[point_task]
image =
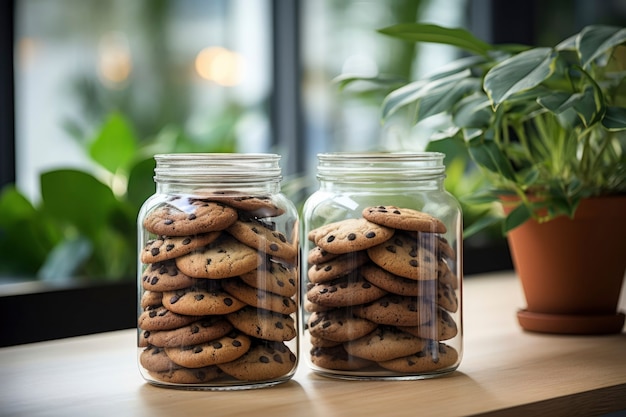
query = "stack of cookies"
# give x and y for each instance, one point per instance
(219, 284)
(381, 294)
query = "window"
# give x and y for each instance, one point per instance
(212, 75)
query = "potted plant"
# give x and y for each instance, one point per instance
(547, 126)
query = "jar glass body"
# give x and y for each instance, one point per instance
(382, 268)
(218, 271)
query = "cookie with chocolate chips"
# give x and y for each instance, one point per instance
(180, 217)
(259, 206)
(433, 357)
(265, 238)
(161, 318)
(273, 277)
(259, 298)
(337, 358)
(264, 360)
(224, 349)
(442, 328)
(339, 325)
(337, 267)
(263, 324)
(189, 376)
(151, 299)
(164, 276)
(201, 300)
(154, 358)
(203, 330)
(383, 344)
(404, 219)
(397, 310)
(351, 289)
(169, 247)
(404, 255)
(351, 235)
(226, 257)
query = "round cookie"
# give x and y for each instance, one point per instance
(189, 376)
(311, 307)
(203, 330)
(447, 298)
(338, 325)
(383, 344)
(318, 255)
(259, 206)
(169, 247)
(224, 258)
(443, 328)
(266, 360)
(446, 276)
(433, 357)
(445, 249)
(320, 342)
(258, 298)
(404, 219)
(224, 349)
(199, 301)
(161, 318)
(337, 358)
(273, 277)
(396, 310)
(180, 217)
(164, 276)
(339, 266)
(402, 256)
(388, 281)
(155, 359)
(151, 299)
(259, 236)
(346, 291)
(263, 324)
(351, 235)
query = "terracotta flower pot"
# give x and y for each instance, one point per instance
(572, 270)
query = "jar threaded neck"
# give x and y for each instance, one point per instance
(192, 168)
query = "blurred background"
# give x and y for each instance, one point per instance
(90, 90)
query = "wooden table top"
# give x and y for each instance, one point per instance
(504, 371)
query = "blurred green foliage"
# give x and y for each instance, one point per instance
(84, 227)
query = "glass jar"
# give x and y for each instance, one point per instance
(218, 270)
(382, 268)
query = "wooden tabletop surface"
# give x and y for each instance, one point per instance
(504, 371)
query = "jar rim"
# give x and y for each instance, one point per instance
(199, 167)
(380, 166)
(382, 156)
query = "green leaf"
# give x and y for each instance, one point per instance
(455, 67)
(115, 144)
(25, 234)
(518, 216)
(416, 91)
(381, 81)
(65, 260)
(77, 198)
(487, 154)
(480, 197)
(140, 182)
(521, 72)
(557, 102)
(473, 111)
(421, 32)
(443, 97)
(401, 97)
(614, 118)
(479, 225)
(596, 40)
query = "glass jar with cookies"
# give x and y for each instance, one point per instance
(382, 268)
(218, 267)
